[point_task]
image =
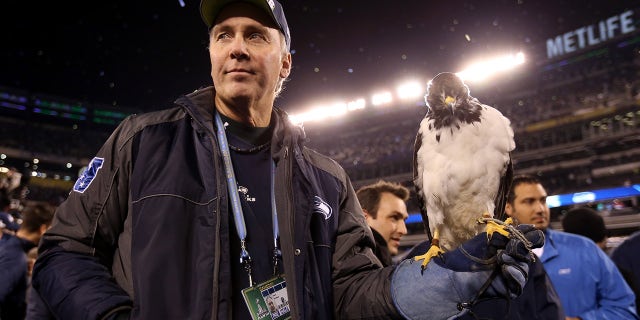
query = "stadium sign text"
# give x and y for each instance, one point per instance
(591, 35)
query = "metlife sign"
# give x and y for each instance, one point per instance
(591, 35)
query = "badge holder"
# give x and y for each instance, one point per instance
(268, 300)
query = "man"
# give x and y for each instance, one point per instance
(384, 206)
(588, 283)
(14, 276)
(186, 213)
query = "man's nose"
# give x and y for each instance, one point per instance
(402, 228)
(541, 207)
(239, 48)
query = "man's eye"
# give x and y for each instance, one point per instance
(222, 36)
(256, 36)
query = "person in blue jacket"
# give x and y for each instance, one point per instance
(587, 281)
(215, 209)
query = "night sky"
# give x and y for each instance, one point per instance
(144, 54)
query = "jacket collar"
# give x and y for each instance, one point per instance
(550, 250)
(199, 103)
(201, 106)
(382, 250)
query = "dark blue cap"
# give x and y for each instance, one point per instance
(209, 10)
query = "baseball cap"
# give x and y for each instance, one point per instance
(209, 10)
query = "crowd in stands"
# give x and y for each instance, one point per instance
(50, 138)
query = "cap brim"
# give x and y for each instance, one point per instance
(210, 9)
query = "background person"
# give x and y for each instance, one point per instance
(626, 256)
(385, 210)
(14, 274)
(588, 223)
(587, 281)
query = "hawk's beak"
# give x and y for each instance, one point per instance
(449, 100)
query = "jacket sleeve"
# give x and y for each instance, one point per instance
(361, 286)
(73, 272)
(616, 300)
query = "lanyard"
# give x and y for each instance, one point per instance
(236, 207)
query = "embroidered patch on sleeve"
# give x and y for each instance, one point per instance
(322, 207)
(87, 176)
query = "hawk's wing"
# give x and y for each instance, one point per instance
(503, 191)
(417, 174)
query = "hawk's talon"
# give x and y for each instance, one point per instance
(434, 251)
(502, 227)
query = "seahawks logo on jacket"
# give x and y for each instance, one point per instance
(244, 191)
(87, 176)
(322, 207)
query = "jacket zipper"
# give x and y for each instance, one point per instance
(219, 183)
(288, 215)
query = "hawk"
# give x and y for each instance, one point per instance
(462, 166)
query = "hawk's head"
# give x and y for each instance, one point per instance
(449, 101)
(446, 90)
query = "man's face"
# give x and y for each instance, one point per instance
(530, 205)
(248, 55)
(389, 222)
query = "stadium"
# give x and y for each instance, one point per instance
(570, 90)
(574, 106)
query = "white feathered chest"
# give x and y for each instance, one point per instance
(460, 162)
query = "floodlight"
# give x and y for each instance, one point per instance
(485, 69)
(410, 90)
(381, 98)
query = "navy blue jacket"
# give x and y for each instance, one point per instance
(146, 227)
(627, 259)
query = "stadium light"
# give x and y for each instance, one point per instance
(356, 104)
(410, 90)
(334, 110)
(482, 70)
(381, 98)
